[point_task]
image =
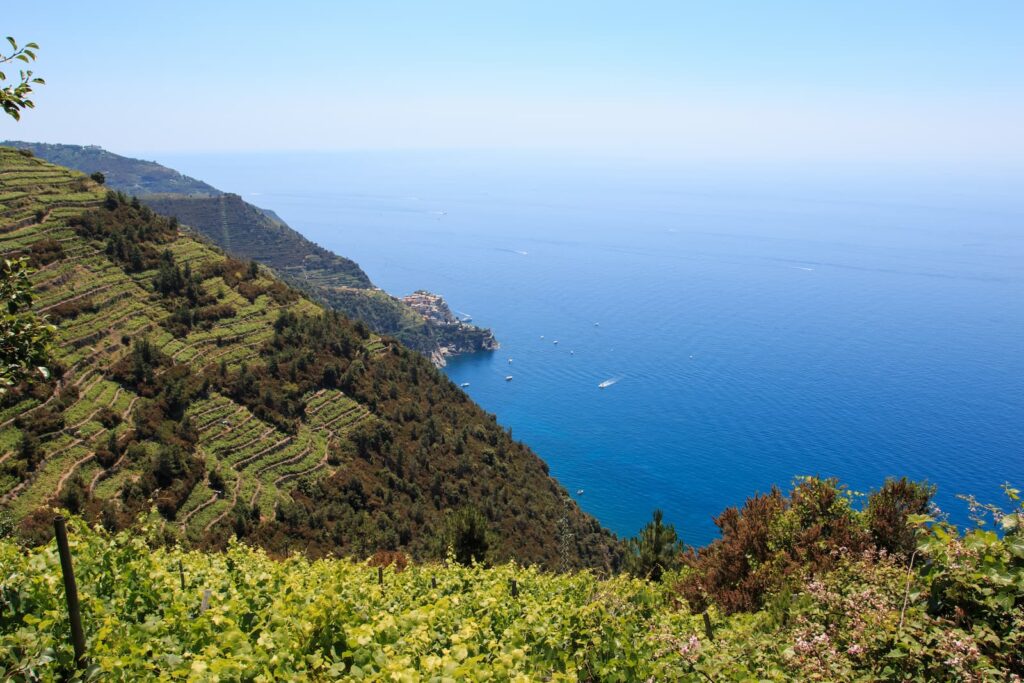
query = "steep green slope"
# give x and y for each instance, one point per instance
(246, 231)
(203, 385)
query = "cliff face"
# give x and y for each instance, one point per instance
(190, 381)
(250, 232)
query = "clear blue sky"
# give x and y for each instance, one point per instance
(927, 81)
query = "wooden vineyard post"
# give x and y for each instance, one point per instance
(181, 573)
(513, 588)
(707, 627)
(205, 605)
(70, 590)
(433, 582)
(380, 576)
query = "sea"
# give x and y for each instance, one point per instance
(681, 336)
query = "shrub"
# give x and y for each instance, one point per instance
(44, 251)
(976, 581)
(108, 418)
(771, 542)
(387, 558)
(105, 457)
(74, 496)
(888, 511)
(69, 310)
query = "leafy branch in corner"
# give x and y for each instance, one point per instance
(15, 96)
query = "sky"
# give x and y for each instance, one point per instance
(915, 81)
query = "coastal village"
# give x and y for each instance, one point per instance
(434, 308)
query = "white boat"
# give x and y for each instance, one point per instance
(607, 383)
(555, 342)
(510, 361)
(508, 378)
(579, 492)
(464, 385)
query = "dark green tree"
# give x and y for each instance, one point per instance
(467, 535)
(655, 550)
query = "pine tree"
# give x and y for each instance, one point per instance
(467, 536)
(655, 550)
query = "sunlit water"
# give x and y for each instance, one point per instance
(757, 328)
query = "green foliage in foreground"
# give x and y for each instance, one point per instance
(956, 613)
(321, 620)
(24, 338)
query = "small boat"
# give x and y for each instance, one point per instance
(572, 353)
(579, 492)
(510, 361)
(508, 378)
(597, 324)
(555, 342)
(605, 384)
(464, 385)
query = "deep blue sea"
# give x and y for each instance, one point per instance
(758, 324)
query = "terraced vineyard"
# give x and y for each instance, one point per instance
(246, 231)
(202, 385)
(262, 460)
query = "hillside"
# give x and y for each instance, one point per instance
(203, 385)
(246, 231)
(132, 176)
(243, 230)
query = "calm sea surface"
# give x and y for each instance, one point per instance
(757, 326)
